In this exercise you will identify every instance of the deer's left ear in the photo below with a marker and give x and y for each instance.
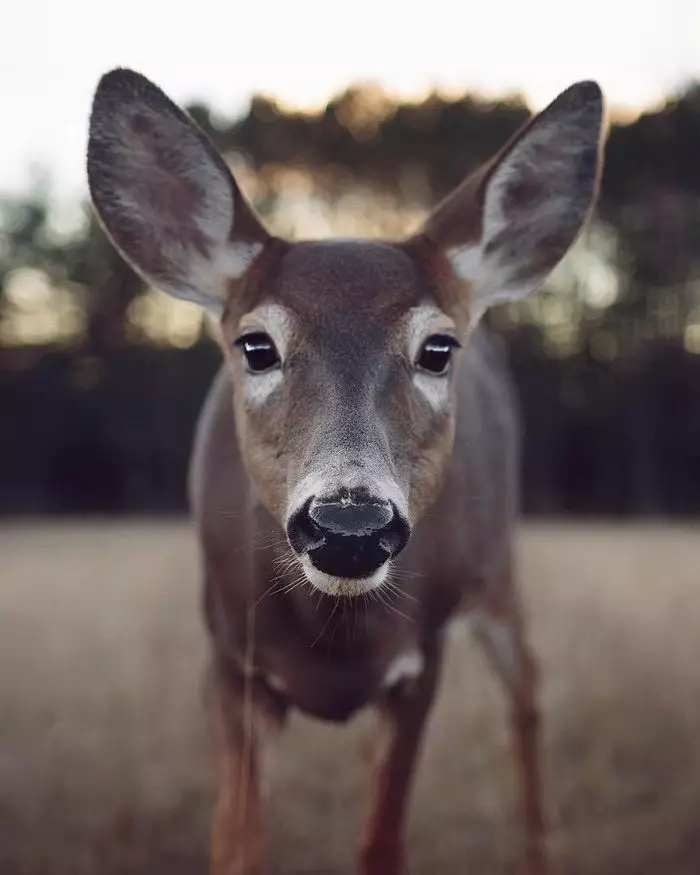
(164, 194)
(505, 228)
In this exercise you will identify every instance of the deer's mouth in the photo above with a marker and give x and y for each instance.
(346, 587)
(348, 556)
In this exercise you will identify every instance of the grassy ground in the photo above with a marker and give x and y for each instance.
(104, 760)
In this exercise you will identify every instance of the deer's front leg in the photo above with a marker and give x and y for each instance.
(499, 629)
(237, 830)
(403, 718)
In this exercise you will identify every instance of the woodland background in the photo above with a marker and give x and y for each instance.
(101, 379)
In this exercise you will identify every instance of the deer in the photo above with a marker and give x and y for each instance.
(354, 474)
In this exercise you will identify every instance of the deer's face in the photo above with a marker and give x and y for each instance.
(343, 377)
(340, 352)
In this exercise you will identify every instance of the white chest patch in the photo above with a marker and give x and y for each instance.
(275, 683)
(406, 666)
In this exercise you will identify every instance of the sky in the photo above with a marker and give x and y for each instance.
(303, 51)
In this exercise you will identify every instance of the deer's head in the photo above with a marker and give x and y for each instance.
(342, 353)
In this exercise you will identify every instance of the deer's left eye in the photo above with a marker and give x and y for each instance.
(259, 351)
(436, 354)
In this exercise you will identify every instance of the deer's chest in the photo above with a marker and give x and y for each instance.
(335, 690)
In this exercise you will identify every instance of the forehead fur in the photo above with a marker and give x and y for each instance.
(355, 276)
(372, 283)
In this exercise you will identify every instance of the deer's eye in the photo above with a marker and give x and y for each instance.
(436, 354)
(260, 352)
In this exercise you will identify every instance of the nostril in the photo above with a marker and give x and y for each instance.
(394, 537)
(302, 531)
(391, 542)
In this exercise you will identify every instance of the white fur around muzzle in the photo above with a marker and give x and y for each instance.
(346, 587)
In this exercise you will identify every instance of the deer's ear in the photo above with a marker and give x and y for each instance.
(164, 194)
(504, 229)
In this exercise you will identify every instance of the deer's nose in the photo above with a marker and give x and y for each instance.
(349, 535)
(352, 520)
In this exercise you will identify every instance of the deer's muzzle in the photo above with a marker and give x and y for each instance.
(348, 535)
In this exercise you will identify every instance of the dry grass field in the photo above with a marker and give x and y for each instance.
(104, 761)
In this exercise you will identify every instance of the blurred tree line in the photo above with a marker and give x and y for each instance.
(101, 379)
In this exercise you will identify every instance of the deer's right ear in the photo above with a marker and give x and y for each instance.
(508, 226)
(165, 195)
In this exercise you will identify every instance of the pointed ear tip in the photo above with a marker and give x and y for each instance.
(120, 82)
(112, 87)
(117, 89)
(118, 76)
(587, 91)
(589, 88)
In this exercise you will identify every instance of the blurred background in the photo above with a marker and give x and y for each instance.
(354, 133)
(346, 121)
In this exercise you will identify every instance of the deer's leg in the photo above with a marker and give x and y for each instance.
(237, 825)
(498, 628)
(403, 716)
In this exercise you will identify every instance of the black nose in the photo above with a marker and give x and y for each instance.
(349, 535)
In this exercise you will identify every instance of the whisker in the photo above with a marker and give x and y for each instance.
(325, 626)
(398, 592)
(338, 599)
(273, 590)
(233, 513)
(381, 596)
(293, 584)
(263, 541)
(284, 563)
(404, 572)
(277, 584)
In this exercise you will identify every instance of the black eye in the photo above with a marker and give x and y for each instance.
(259, 351)
(436, 354)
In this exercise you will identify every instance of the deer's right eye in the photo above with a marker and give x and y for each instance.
(436, 354)
(260, 352)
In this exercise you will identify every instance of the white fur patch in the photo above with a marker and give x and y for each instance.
(489, 281)
(275, 683)
(276, 321)
(435, 390)
(273, 319)
(498, 642)
(423, 321)
(238, 258)
(258, 388)
(407, 666)
(230, 262)
(346, 587)
(465, 260)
